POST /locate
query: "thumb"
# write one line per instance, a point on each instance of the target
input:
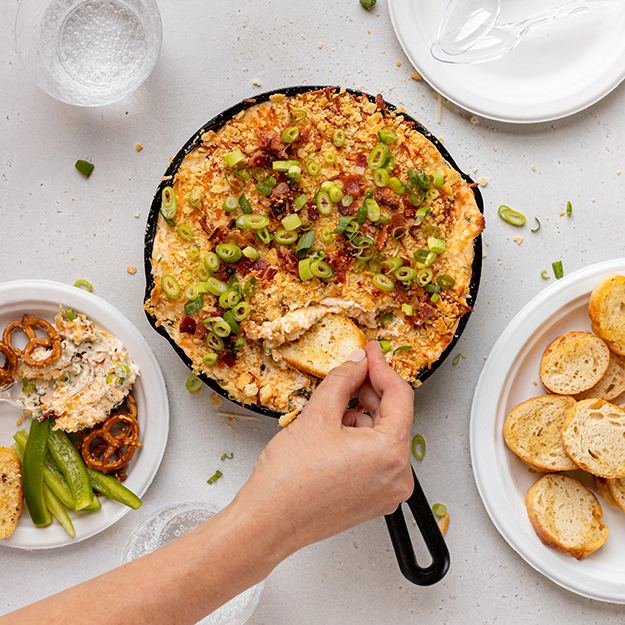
(331, 397)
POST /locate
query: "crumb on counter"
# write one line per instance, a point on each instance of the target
(217, 401)
(138, 147)
(131, 269)
(256, 82)
(320, 45)
(397, 63)
(518, 239)
(474, 120)
(415, 76)
(533, 167)
(483, 182)
(137, 215)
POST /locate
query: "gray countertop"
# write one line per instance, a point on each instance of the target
(59, 226)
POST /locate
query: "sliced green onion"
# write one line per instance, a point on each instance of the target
(251, 252)
(432, 288)
(234, 158)
(215, 286)
(214, 477)
(193, 306)
(386, 317)
(418, 447)
(84, 284)
(313, 167)
(291, 222)
(283, 166)
(299, 202)
(193, 384)
(170, 286)
(385, 345)
(69, 314)
(367, 4)
(212, 262)
(387, 136)
(338, 138)
(228, 252)
(323, 202)
(373, 209)
(214, 342)
(544, 274)
(380, 177)
(421, 214)
(321, 269)
(232, 322)
(536, 228)
(305, 243)
(558, 271)
(210, 359)
(264, 236)
(250, 287)
(396, 185)
(195, 197)
(509, 215)
(336, 193)
(84, 167)
(383, 282)
(304, 270)
(230, 204)
(229, 298)
(221, 328)
(191, 292)
(252, 222)
(405, 274)
(424, 276)
(439, 179)
(185, 232)
(457, 358)
(194, 253)
(420, 255)
(378, 157)
(347, 200)
(446, 282)
(298, 115)
(241, 311)
(435, 297)
(439, 510)
(327, 235)
(436, 245)
(227, 456)
(284, 237)
(407, 309)
(344, 221)
(290, 134)
(246, 207)
(329, 156)
(389, 265)
(169, 204)
(569, 209)
(294, 173)
(430, 258)
(265, 187)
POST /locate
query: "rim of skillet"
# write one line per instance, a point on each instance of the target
(215, 124)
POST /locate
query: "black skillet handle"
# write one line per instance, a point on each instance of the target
(423, 515)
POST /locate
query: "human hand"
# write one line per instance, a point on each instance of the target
(334, 468)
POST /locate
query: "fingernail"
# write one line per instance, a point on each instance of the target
(358, 355)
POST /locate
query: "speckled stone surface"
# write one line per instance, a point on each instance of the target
(57, 225)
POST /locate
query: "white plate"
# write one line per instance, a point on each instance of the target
(42, 298)
(554, 72)
(508, 378)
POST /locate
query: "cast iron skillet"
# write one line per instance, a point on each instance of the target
(418, 504)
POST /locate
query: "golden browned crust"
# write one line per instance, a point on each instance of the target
(250, 373)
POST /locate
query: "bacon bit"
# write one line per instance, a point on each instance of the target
(280, 190)
(379, 101)
(380, 240)
(270, 142)
(270, 273)
(245, 265)
(422, 312)
(347, 210)
(260, 159)
(289, 260)
(352, 185)
(339, 274)
(313, 213)
(361, 159)
(397, 219)
(228, 358)
(405, 260)
(260, 264)
(200, 331)
(278, 207)
(387, 197)
(187, 325)
(473, 185)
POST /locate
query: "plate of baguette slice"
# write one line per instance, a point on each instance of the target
(548, 432)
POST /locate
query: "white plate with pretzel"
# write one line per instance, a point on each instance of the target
(42, 300)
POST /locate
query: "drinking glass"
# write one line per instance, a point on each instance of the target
(88, 52)
(174, 521)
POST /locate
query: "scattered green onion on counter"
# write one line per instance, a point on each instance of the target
(193, 384)
(558, 271)
(569, 209)
(367, 4)
(84, 167)
(511, 216)
(84, 284)
(544, 274)
(457, 358)
(214, 477)
(227, 456)
(536, 228)
(418, 447)
(439, 510)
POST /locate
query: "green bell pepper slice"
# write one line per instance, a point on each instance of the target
(32, 470)
(112, 489)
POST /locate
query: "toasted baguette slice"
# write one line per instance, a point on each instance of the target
(601, 484)
(566, 515)
(593, 435)
(617, 490)
(10, 491)
(325, 346)
(573, 363)
(533, 432)
(607, 312)
(611, 385)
